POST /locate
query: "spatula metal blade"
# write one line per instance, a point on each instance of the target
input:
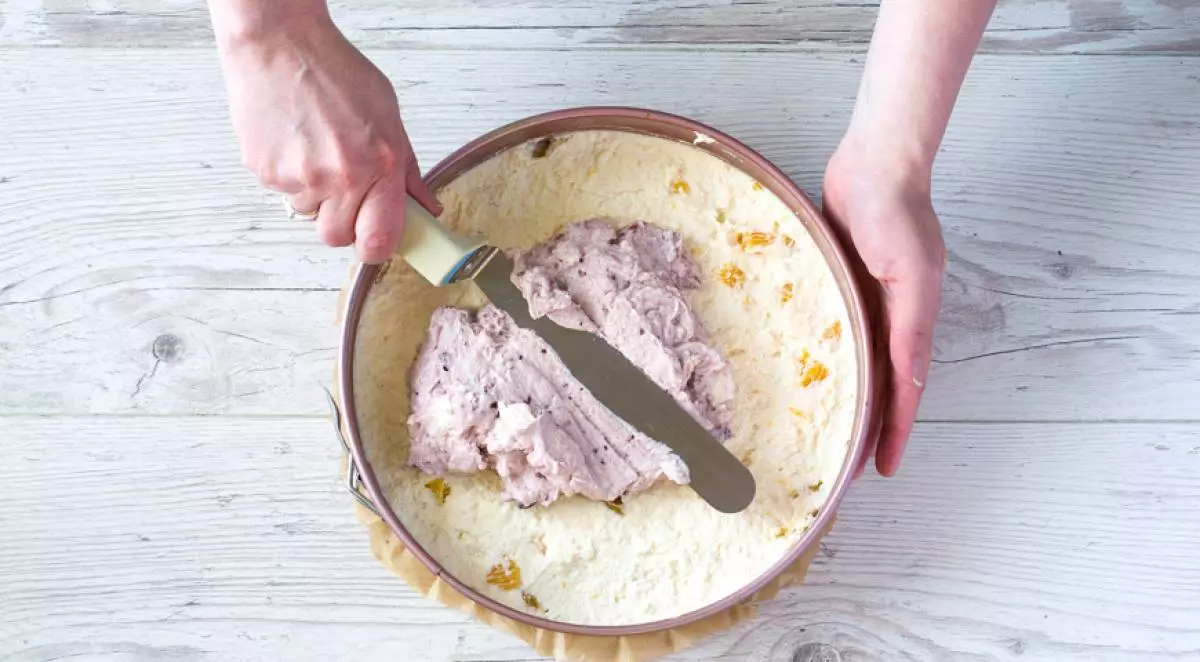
(716, 474)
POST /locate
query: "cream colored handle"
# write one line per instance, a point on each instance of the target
(431, 249)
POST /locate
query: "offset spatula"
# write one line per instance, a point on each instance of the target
(443, 258)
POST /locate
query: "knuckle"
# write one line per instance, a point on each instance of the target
(264, 168)
(375, 246)
(936, 264)
(355, 175)
(312, 176)
(941, 261)
(270, 176)
(388, 159)
(335, 233)
(334, 179)
(347, 170)
(341, 168)
(927, 262)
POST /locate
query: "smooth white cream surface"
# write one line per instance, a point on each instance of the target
(669, 553)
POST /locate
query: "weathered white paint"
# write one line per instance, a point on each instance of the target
(1112, 26)
(1067, 189)
(222, 539)
(145, 279)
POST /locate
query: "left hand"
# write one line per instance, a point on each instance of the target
(886, 211)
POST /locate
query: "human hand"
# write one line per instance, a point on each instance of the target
(885, 209)
(318, 122)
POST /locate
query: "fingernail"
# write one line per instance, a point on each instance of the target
(919, 373)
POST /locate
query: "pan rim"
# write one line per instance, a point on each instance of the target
(671, 127)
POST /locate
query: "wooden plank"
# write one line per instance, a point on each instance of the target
(230, 539)
(1114, 26)
(141, 270)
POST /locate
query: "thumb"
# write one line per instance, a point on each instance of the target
(417, 189)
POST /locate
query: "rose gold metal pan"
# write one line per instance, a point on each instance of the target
(670, 127)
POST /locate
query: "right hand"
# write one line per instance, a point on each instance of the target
(885, 210)
(318, 122)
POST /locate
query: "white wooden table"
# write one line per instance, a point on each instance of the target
(168, 481)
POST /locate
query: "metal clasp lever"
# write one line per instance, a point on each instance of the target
(353, 480)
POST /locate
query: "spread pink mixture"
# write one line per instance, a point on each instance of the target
(486, 393)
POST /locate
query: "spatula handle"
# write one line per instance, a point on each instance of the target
(435, 252)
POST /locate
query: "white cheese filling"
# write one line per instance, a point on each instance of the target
(771, 306)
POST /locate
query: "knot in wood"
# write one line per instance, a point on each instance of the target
(816, 652)
(167, 347)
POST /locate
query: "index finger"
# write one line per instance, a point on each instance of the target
(380, 222)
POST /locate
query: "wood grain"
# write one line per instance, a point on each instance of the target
(230, 539)
(1068, 26)
(143, 271)
(146, 278)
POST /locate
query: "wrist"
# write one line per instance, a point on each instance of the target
(888, 161)
(249, 22)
